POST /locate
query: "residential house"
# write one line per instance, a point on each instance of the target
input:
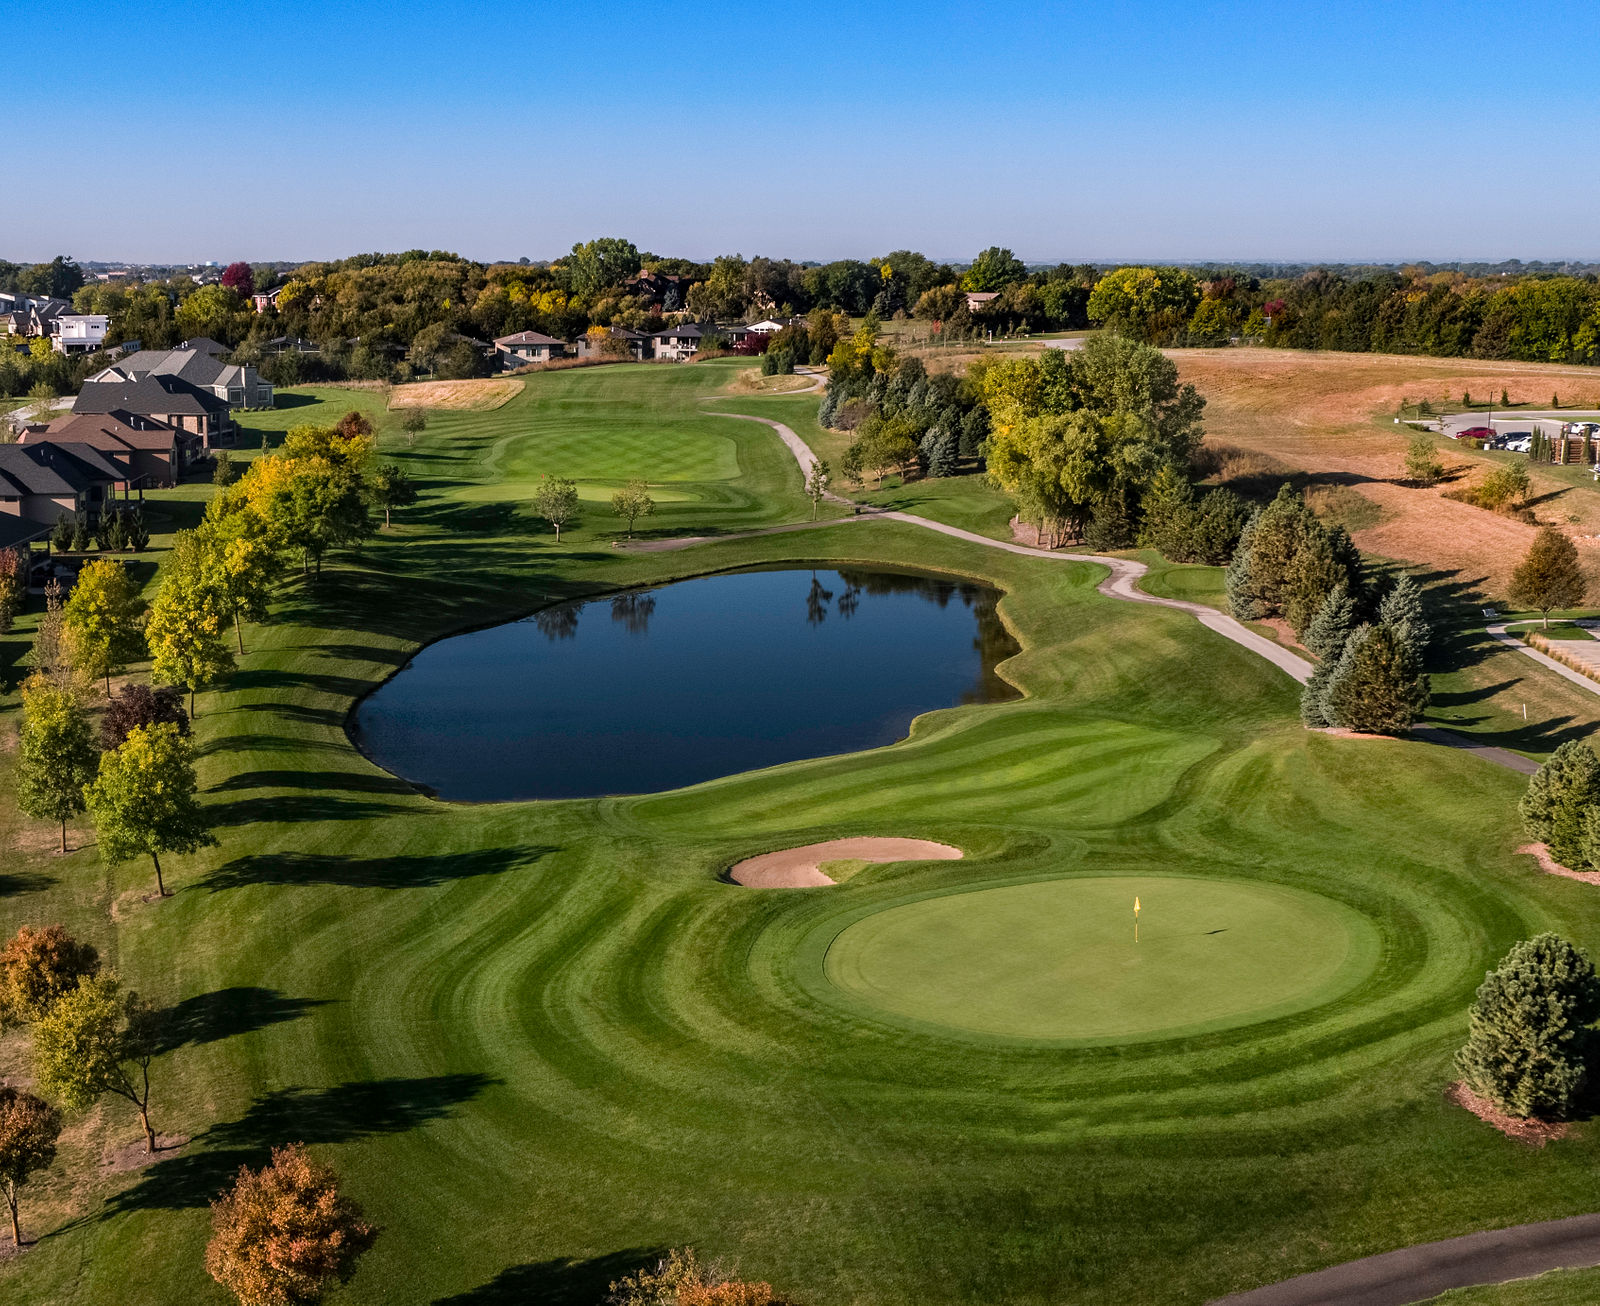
(767, 327)
(44, 481)
(151, 452)
(165, 398)
(198, 362)
(979, 299)
(266, 299)
(526, 347)
(79, 333)
(30, 315)
(679, 343)
(638, 343)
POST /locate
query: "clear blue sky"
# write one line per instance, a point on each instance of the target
(1143, 129)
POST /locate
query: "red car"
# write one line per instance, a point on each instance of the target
(1474, 433)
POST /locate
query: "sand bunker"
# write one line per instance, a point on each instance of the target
(801, 868)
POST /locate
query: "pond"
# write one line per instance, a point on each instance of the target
(654, 689)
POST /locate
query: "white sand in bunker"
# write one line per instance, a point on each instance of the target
(801, 868)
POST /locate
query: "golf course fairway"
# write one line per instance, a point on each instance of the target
(1057, 959)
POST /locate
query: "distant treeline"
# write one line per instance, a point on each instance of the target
(431, 312)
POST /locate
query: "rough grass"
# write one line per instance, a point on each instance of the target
(1329, 419)
(479, 396)
(542, 1041)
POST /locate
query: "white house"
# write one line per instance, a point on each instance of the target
(767, 327)
(79, 333)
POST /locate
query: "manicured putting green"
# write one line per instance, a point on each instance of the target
(1056, 959)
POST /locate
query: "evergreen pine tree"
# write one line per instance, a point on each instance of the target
(1529, 1042)
(81, 539)
(1560, 796)
(1239, 579)
(1402, 609)
(61, 534)
(1326, 638)
(1378, 686)
(1169, 516)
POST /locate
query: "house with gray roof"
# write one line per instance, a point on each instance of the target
(166, 398)
(41, 482)
(198, 362)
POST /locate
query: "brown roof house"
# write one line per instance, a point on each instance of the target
(526, 347)
(151, 452)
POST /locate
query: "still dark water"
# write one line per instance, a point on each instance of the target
(654, 689)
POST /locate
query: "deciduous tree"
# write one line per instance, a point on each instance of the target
(140, 705)
(556, 500)
(37, 968)
(1422, 460)
(55, 755)
(13, 586)
(1550, 576)
(97, 1040)
(1529, 1043)
(29, 1127)
(284, 1234)
(632, 502)
(187, 619)
(818, 479)
(143, 799)
(102, 619)
(388, 487)
(237, 568)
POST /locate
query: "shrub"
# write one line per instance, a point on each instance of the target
(1529, 1041)
(681, 1279)
(777, 362)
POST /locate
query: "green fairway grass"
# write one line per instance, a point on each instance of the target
(1057, 959)
(540, 1042)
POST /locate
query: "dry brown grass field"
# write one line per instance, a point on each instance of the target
(1331, 416)
(478, 396)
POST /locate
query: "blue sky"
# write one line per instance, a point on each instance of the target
(1142, 130)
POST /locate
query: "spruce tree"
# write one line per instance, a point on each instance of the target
(1560, 795)
(1402, 609)
(1326, 638)
(1239, 580)
(1169, 515)
(1529, 1042)
(1551, 575)
(1378, 686)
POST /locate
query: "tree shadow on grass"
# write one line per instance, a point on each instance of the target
(322, 781)
(340, 1114)
(301, 807)
(370, 872)
(23, 882)
(559, 1282)
(207, 1017)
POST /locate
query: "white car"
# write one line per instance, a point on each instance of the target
(1523, 444)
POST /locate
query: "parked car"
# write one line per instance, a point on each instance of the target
(1474, 433)
(1522, 445)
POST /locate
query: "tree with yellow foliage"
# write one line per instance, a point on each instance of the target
(100, 620)
(187, 620)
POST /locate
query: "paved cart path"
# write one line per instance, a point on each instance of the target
(1122, 583)
(1414, 1274)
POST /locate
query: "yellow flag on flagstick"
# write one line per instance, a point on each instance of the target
(1136, 905)
(1136, 918)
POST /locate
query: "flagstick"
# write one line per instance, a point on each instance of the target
(1136, 920)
